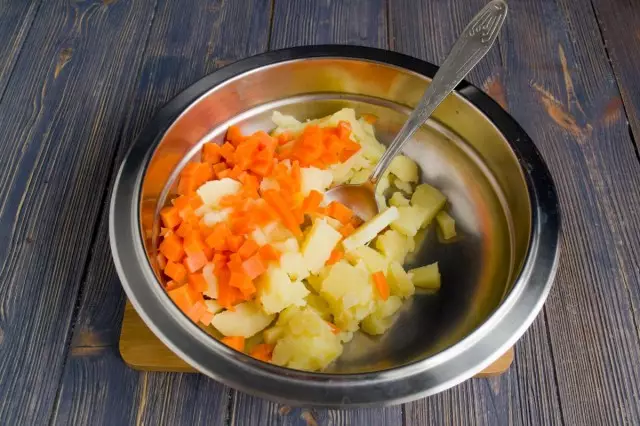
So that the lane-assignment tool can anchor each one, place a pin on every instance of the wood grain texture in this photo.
(142, 350)
(16, 19)
(619, 22)
(427, 30)
(185, 43)
(59, 119)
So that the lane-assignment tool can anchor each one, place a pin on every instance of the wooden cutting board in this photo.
(142, 350)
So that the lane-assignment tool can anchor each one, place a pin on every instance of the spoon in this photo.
(474, 43)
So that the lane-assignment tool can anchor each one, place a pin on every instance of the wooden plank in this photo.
(427, 30)
(186, 42)
(59, 120)
(620, 25)
(17, 17)
(296, 23)
(142, 350)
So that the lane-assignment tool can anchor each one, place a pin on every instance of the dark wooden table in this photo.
(79, 79)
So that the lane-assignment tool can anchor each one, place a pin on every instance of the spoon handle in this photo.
(475, 41)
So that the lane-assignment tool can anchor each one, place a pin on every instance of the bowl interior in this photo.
(459, 151)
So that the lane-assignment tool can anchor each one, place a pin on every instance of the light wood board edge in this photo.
(142, 350)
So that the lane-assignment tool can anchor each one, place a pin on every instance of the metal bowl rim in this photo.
(536, 175)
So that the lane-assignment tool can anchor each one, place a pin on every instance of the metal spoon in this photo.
(474, 43)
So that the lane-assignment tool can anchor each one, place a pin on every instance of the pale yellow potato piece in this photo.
(427, 277)
(404, 168)
(398, 200)
(408, 221)
(246, 320)
(429, 200)
(393, 245)
(370, 229)
(212, 191)
(403, 186)
(381, 319)
(294, 265)
(314, 179)
(211, 280)
(276, 291)
(373, 260)
(399, 281)
(318, 245)
(446, 224)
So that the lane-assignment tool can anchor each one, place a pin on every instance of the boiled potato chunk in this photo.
(404, 168)
(212, 191)
(319, 305)
(314, 179)
(318, 245)
(372, 259)
(370, 229)
(408, 221)
(400, 283)
(403, 186)
(381, 319)
(246, 320)
(276, 291)
(211, 280)
(429, 200)
(294, 265)
(398, 200)
(446, 224)
(393, 245)
(305, 341)
(350, 303)
(427, 277)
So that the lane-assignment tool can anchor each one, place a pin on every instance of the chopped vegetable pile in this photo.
(250, 247)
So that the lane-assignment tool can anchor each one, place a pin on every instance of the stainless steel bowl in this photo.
(495, 275)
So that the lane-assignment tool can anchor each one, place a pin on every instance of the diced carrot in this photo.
(187, 185)
(268, 252)
(274, 198)
(217, 168)
(206, 318)
(175, 271)
(234, 242)
(334, 328)
(227, 151)
(170, 217)
(245, 152)
(340, 212)
(197, 282)
(211, 153)
(381, 284)
(195, 262)
(193, 244)
(161, 261)
(347, 229)
(196, 311)
(248, 248)
(185, 297)
(234, 135)
(284, 137)
(242, 282)
(224, 173)
(171, 248)
(189, 169)
(312, 201)
(262, 351)
(172, 285)
(180, 202)
(343, 130)
(261, 168)
(164, 231)
(253, 266)
(217, 240)
(336, 255)
(235, 342)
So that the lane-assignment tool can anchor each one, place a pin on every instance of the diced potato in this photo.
(269, 183)
(319, 305)
(393, 245)
(314, 179)
(290, 245)
(294, 265)
(259, 237)
(203, 210)
(408, 221)
(427, 277)
(370, 229)
(398, 200)
(372, 259)
(403, 186)
(276, 291)
(428, 199)
(318, 245)
(212, 281)
(404, 168)
(360, 176)
(383, 184)
(215, 216)
(285, 121)
(349, 303)
(246, 320)
(400, 283)
(212, 191)
(446, 224)
(381, 319)
(272, 334)
(213, 306)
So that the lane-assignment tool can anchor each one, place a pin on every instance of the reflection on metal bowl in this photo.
(495, 274)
